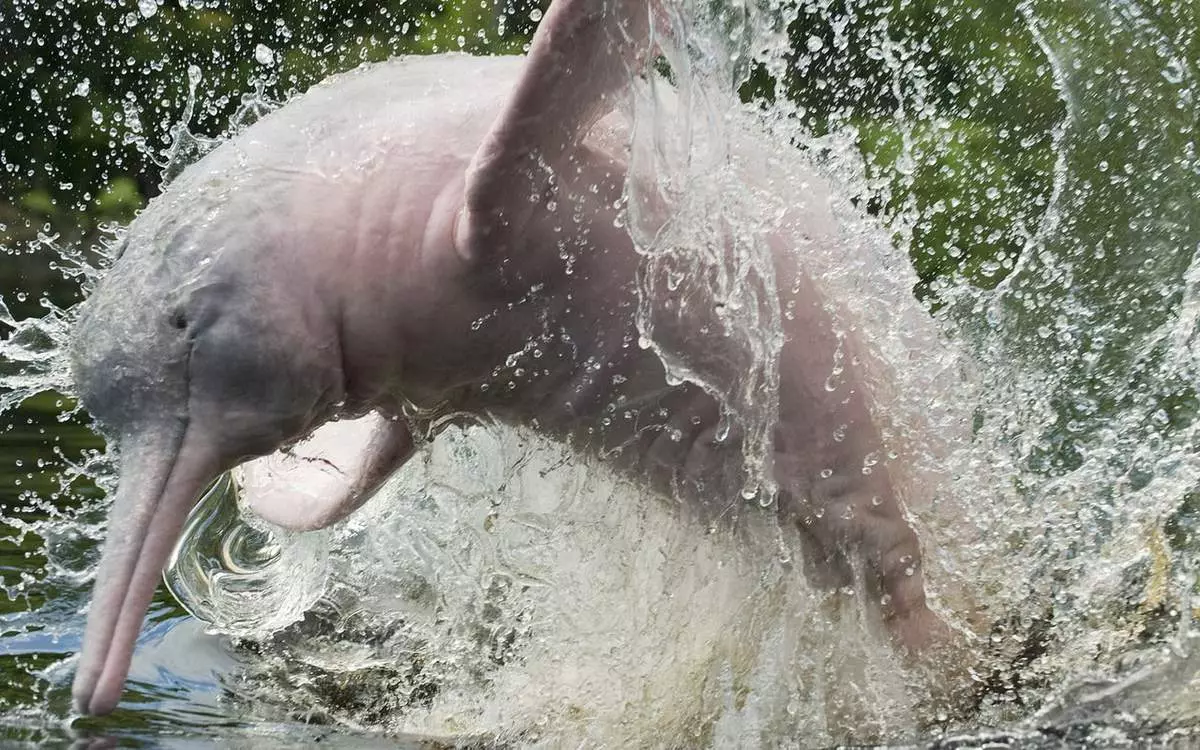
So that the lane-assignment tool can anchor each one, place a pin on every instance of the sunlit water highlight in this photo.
(500, 588)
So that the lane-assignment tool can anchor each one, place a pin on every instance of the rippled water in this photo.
(1027, 171)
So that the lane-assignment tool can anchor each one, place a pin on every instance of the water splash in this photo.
(1035, 163)
(225, 570)
(703, 234)
(32, 355)
(538, 598)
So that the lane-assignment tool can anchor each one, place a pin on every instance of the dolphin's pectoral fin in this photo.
(580, 60)
(327, 476)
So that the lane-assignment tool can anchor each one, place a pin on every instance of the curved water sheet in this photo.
(1038, 163)
(1035, 162)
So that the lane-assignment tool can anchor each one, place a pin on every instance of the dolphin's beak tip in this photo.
(79, 697)
(91, 696)
(94, 704)
(100, 707)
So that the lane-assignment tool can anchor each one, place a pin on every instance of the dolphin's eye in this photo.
(179, 320)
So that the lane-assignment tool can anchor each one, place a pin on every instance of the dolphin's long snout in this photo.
(162, 474)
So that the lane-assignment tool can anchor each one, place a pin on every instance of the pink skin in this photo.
(372, 247)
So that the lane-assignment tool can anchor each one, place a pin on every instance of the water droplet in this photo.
(1173, 71)
(814, 44)
(535, 15)
(147, 8)
(264, 54)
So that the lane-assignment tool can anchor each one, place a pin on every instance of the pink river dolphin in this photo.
(383, 245)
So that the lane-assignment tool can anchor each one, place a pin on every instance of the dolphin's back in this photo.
(353, 119)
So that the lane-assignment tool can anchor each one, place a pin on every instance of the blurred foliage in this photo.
(955, 110)
(953, 103)
(93, 91)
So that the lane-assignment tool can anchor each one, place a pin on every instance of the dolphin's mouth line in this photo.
(158, 498)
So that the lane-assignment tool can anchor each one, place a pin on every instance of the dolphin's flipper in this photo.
(581, 58)
(327, 476)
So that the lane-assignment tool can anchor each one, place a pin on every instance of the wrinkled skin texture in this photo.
(384, 244)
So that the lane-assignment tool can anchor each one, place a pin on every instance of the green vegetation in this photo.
(94, 90)
(92, 93)
(955, 110)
